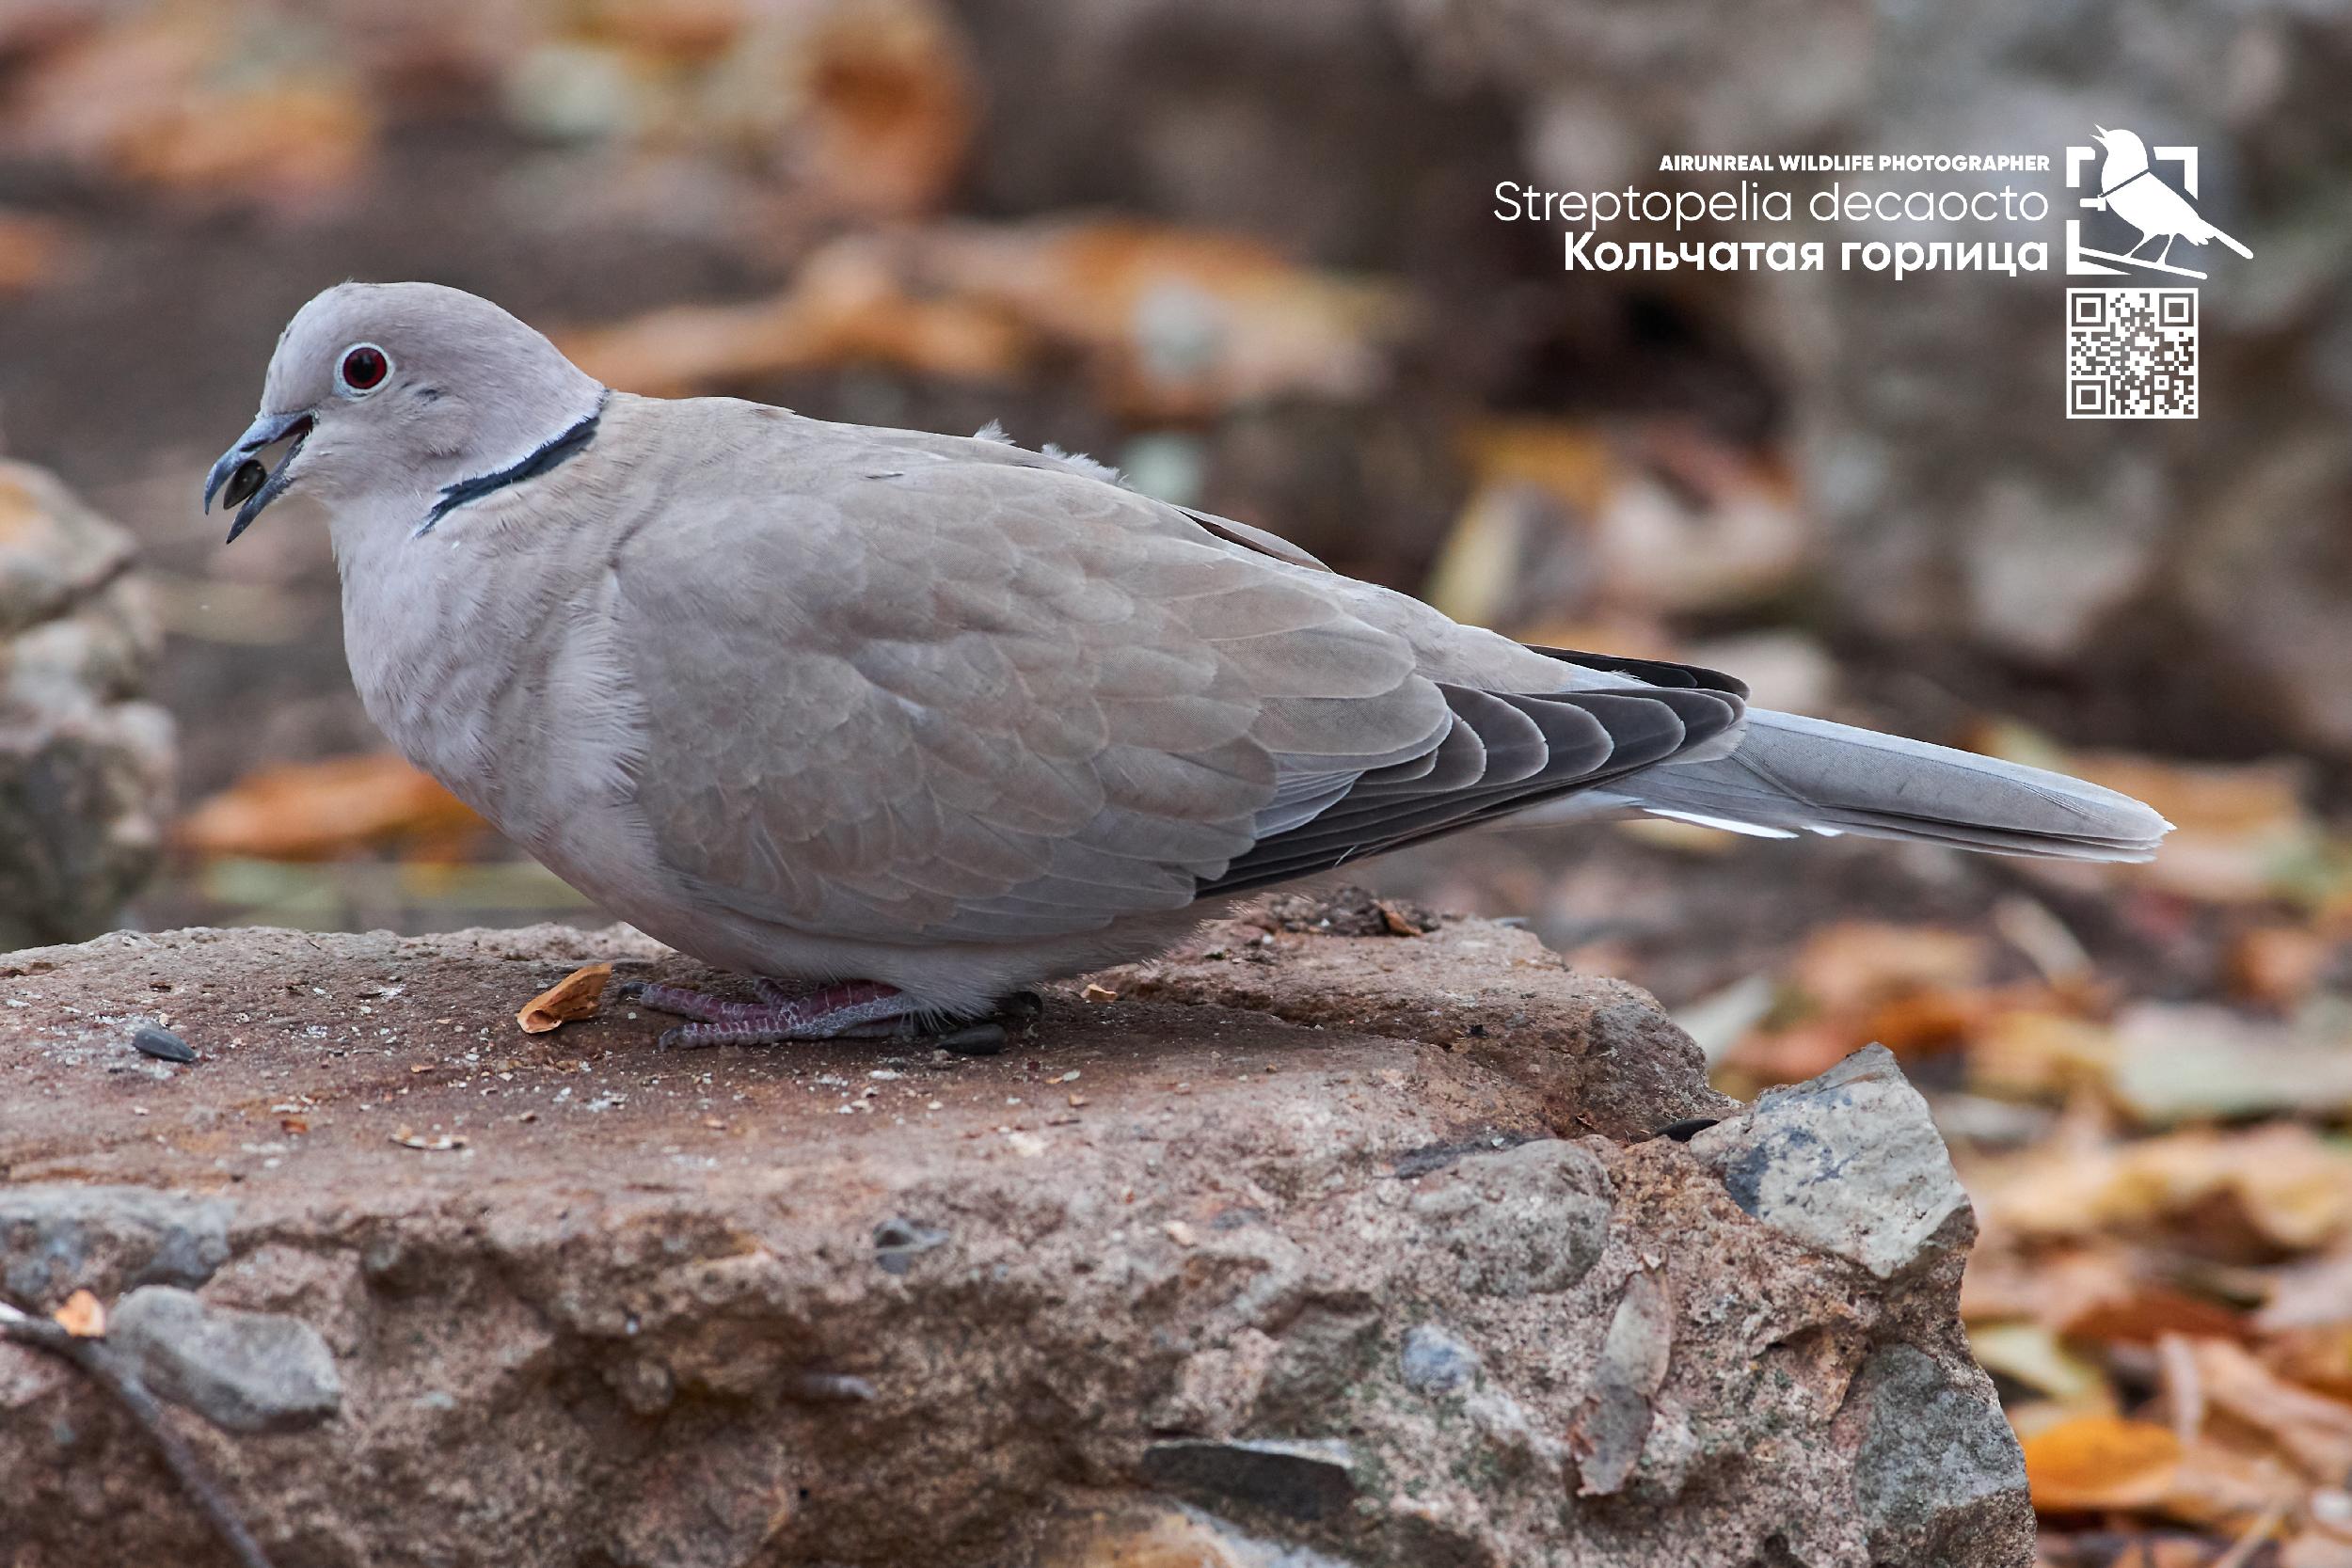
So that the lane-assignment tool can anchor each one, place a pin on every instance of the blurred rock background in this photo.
(85, 765)
(1247, 253)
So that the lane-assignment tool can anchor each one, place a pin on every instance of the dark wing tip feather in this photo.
(1651, 671)
(1533, 747)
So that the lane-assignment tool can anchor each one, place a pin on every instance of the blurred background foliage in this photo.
(1248, 254)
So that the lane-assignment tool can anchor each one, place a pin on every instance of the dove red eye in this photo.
(365, 367)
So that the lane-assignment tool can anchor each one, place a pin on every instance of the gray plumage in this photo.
(822, 702)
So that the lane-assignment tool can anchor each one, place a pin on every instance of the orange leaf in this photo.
(1859, 963)
(891, 106)
(573, 996)
(850, 305)
(2279, 965)
(2314, 1429)
(2039, 1051)
(2315, 1549)
(32, 249)
(313, 811)
(2098, 1461)
(2150, 1311)
(82, 1315)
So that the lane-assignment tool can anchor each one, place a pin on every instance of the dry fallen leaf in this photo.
(2317, 1292)
(1860, 963)
(2227, 1484)
(848, 108)
(2032, 1051)
(2147, 1312)
(2315, 1549)
(2292, 1188)
(2048, 1285)
(32, 250)
(2179, 1062)
(1174, 323)
(850, 305)
(1592, 520)
(2278, 966)
(208, 99)
(889, 104)
(2311, 1428)
(2098, 1461)
(1182, 322)
(1913, 988)
(82, 1315)
(312, 811)
(2032, 1355)
(573, 996)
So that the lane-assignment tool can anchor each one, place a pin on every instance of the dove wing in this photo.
(963, 698)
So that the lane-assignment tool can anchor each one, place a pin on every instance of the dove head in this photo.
(397, 394)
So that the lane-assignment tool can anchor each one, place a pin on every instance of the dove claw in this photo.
(858, 1008)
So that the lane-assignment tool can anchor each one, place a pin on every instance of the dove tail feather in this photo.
(1797, 773)
(2232, 244)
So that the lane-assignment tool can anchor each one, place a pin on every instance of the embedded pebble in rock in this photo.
(1932, 1457)
(1526, 1220)
(1612, 1429)
(1310, 1273)
(248, 1371)
(1304, 1481)
(1850, 1162)
(1435, 1362)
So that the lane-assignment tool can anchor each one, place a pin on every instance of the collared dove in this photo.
(899, 724)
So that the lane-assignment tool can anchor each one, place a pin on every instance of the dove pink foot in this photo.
(859, 1008)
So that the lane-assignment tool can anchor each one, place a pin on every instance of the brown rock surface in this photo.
(1295, 1249)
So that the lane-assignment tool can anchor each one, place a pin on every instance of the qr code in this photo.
(2131, 354)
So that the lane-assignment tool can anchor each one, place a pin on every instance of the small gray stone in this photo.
(1849, 1163)
(246, 1371)
(153, 1039)
(1435, 1362)
(1305, 1481)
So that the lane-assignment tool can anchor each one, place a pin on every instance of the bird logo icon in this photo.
(2130, 188)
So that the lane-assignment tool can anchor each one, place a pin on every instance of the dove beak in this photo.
(249, 480)
(2099, 135)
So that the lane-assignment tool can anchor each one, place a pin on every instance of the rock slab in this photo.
(1292, 1248)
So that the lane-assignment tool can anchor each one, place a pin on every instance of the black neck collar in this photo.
(552, 453)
